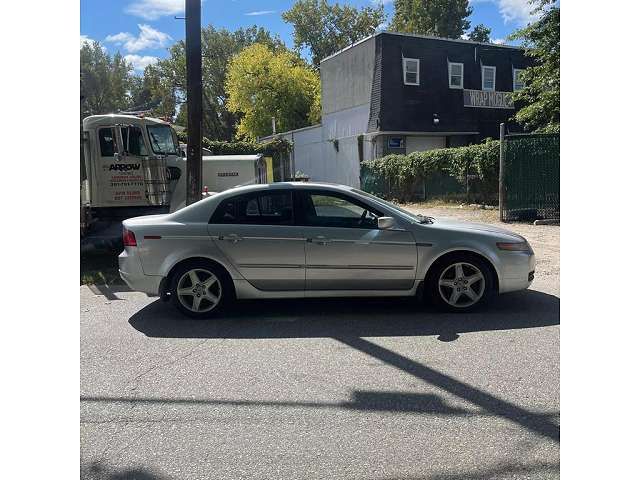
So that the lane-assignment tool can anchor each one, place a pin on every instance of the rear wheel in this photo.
(200, 290)
(460, 283)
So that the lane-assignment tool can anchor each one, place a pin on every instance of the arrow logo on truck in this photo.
(121, 167)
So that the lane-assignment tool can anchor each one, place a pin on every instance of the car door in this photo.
(345, 250)
(256, 233)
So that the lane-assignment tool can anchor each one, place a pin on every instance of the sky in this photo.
(143, 29)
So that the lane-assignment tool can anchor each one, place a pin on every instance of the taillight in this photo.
(128, 238)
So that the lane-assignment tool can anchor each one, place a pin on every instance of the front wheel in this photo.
(460, 284)
(199, 290)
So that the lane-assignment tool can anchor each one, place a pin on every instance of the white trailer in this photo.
(133, 166)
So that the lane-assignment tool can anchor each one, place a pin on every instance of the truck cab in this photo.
(132, 164)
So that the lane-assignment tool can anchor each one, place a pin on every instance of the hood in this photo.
(476, 227)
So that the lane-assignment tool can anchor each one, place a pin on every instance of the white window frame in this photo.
(404, 70)
(514, 79)
(494, 78)
(461, 86)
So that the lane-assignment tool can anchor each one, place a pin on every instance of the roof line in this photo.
(418, 35)
(308, 127)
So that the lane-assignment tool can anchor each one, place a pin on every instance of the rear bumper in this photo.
(517, 270)
(131, 272)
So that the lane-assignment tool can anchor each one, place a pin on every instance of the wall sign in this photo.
(396, 142)
(482, 99)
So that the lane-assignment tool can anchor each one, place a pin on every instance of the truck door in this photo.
(119, 176)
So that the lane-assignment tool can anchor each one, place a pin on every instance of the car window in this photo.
(107, 140)
(328, 210)
(272, 208)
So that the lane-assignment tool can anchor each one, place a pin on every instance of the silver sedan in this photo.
(287, 240)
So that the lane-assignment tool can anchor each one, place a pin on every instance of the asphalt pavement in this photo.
(377, 388)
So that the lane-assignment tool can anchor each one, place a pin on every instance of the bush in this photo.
(474, 168)
(275, 148)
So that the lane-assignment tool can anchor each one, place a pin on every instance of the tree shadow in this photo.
(310, 318)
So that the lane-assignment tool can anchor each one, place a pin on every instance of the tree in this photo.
(104, 80)
(440, 18)
(324, 29)
(541, 94)
(480, 33)
(218, 47)
(262, 83)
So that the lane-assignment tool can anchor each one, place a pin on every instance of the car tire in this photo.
(201, 289)
(460, 282)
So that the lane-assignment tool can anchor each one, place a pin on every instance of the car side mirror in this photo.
(385, 223)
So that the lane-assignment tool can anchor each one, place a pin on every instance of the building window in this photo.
(488, 78)
(411, 69)
(456, 75)
(518, 83)
(395, 142)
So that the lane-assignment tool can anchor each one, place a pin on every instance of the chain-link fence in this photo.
(531, 177)
(437, 186)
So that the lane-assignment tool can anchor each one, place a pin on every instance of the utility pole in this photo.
(194, 100)
(501, 174)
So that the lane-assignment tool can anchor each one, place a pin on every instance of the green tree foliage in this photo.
(262, 83)
(105, 81)
(218, 47)
(480, 33)
(440, 18)
(541, 95)
(324, 29)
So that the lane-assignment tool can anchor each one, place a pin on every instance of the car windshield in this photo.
(162, 141)
(391, 206)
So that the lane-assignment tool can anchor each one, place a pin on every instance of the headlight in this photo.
(514, 247)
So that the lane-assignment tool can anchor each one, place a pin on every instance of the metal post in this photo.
(501, 174)
(194, 101)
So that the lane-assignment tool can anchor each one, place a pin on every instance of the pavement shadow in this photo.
(309, 318)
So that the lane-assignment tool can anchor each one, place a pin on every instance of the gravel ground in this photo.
(377, 388)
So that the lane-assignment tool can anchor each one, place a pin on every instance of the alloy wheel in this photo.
(461, 284)
(199, 290)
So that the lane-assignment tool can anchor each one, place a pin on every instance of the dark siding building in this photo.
(413, 108)
(401, 93)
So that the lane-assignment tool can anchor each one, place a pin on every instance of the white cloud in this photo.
(148, 38)
(84, 39)
(518, 11)
(260, 12)
(154, 9)
(498, 41)
(139, 62)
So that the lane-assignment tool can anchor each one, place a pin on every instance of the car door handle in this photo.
(319, 240)
(230, 238)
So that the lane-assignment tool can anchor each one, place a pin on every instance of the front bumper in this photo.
(518, 270)
(131, 272)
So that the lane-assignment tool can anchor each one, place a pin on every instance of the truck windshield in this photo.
(162, 140)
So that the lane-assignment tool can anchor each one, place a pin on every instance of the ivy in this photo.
(274, 148)
(400, 176)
